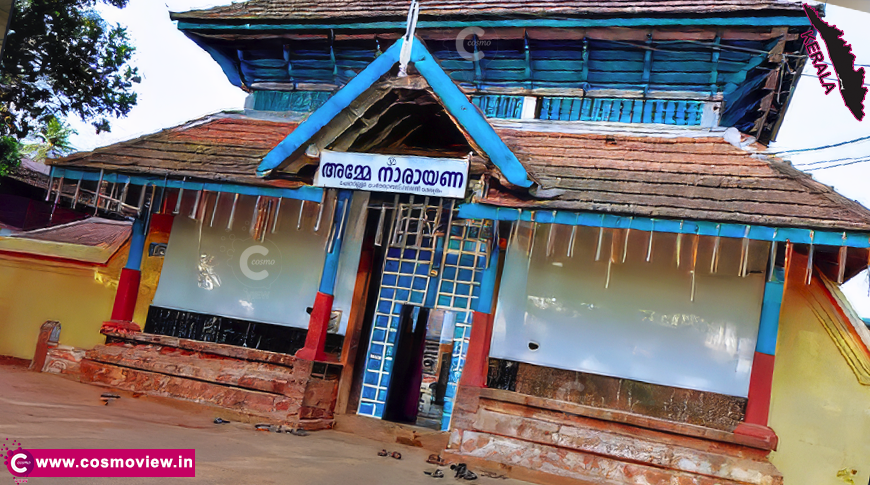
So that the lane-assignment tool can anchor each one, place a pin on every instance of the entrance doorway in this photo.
(419, 308)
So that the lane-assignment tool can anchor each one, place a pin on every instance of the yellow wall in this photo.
(150, 274)
(819, 410)
(33, 291)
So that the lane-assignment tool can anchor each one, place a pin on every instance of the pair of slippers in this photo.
(394, 454)
(279, 429)
(436, 460)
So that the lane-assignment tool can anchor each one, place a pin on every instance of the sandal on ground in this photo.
(462, 471)
(436, 460)
(435, 474)
(383, 453)
(396, 455)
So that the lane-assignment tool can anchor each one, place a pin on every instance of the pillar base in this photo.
(476, 367)
(760, 432)
(760, 386)
(120, 326)
(315, 341)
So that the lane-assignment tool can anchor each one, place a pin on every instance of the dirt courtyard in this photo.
(47, 411)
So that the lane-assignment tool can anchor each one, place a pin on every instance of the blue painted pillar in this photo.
(315, 341)
(477, 360)
(128, 284)
(761, 380)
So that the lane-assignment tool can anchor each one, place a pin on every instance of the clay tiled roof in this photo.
(704, 178)
(326, 9)
(92, 240)
(95, 231)
(224, 147)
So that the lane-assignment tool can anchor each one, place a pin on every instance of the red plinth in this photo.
(125, 298)
(477, 360)
(760, 383)
(315, 341)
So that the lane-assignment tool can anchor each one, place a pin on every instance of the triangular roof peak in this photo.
(469, 118)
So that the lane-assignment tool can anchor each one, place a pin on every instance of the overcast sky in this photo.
(181, 82)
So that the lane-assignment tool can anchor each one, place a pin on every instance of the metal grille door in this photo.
(412, 254)
(405, 279)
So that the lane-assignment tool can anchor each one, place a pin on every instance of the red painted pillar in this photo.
(315, 341)
(477, 359)
(128, 284)
(131, 276)
(318, 323)
(760, 385)
(755, 422)
(125, 298)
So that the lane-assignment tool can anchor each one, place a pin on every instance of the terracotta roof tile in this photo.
(691, 178)
(223, 147)
(95, 231)
(324, 9)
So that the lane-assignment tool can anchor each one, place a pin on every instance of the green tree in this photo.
(62, 59)
(53, 141)
(9, 154)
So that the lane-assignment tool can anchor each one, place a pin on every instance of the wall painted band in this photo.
(796, 21)
(487, 284)
(330, 264)
(306, 192)
(137, 245)
(704, 228)
(768, 326)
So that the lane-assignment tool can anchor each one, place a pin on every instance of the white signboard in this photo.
(437, 177)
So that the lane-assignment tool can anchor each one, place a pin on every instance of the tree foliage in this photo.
(53, 141)
(61, 58)
(9, 154)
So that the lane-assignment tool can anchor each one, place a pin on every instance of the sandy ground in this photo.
(47, 411)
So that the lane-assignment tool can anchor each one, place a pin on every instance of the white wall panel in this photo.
(216, 271)
(644, 326)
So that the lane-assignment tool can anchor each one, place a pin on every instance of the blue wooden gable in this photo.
(589, 64)
(454, 100)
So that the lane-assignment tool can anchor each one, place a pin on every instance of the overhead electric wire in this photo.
(863, 160)
(824, 147)
(822, 162)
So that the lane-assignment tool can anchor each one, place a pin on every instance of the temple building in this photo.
(544, 237)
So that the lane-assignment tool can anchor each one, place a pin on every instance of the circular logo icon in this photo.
(255, 264)
(20, 463)
(475, 44)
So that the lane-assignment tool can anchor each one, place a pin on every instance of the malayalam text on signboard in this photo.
(437, 177)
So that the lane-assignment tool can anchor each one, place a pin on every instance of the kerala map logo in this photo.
(850, 80)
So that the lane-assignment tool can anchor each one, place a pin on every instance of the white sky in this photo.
(181, 82)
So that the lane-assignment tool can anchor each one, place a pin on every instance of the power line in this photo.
(863, 160)
(847, 142)
(822, 162)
